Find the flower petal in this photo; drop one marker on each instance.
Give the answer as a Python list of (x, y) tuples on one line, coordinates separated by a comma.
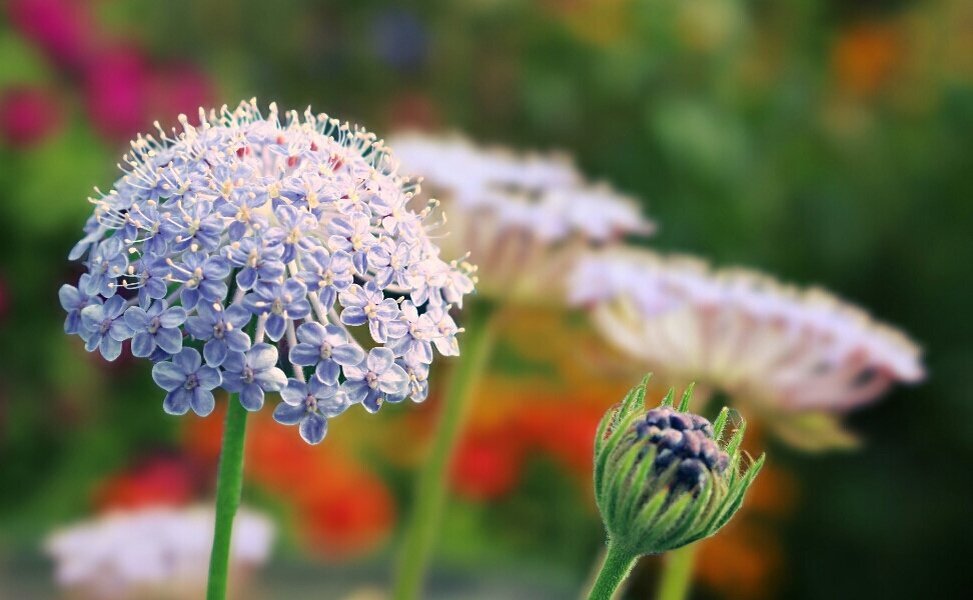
[(286, 414), (262, 356), (169, 340), (252, 397), (202, 402), (313, 428), (177, 402), (379, 359), (188, 360)]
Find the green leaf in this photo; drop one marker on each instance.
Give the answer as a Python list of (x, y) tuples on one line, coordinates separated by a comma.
[(667, 401), (687, 396), (621, 474), (737, 439), (630, 505), (720, 423)]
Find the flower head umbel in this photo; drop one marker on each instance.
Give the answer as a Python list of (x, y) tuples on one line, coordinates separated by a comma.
[(523, 219), (152, 552), (665, 477), (797, 357), (225, 238)]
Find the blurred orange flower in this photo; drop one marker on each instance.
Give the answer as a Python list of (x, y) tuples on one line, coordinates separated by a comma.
[(743, 561), (594, 21), (865, 57), (157, 481), (487, 464), (341, 508)]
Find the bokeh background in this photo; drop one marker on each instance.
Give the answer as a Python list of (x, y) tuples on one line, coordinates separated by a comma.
[(825, 141)]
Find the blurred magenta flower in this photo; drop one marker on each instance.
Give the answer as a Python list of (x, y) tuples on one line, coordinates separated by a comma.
[(179, 88), (28, 115), (125, 92), (63, 29), (117, 91)]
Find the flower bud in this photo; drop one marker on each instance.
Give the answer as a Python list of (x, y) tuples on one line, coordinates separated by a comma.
[(666, 477)]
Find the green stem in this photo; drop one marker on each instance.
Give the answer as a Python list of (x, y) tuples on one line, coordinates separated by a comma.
[(615, 568), (229, 484), (430, 492), (677, 573)]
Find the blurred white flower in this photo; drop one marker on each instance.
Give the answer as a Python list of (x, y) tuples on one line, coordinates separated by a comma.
[(781, 349), (156, 552), (524, 218)]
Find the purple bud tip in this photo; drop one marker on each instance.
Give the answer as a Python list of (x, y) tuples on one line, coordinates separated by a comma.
[(684, 439)]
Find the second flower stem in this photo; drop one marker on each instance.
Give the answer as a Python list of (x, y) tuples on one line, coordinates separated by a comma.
[(430, 492), (677, 573), (614, 569), (229, 485)]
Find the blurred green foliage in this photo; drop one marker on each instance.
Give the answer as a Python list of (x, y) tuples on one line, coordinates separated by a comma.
[(824, 141)]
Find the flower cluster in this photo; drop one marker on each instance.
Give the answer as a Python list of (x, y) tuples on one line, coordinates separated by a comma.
[(784, 348), (524, 219), (684, 440), (665, 477), (152, 552), (222, 241)]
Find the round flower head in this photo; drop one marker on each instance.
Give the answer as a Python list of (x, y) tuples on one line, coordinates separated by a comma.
[(152, 552), (524, 219), (665, 478), (223, 239), (785, 350)]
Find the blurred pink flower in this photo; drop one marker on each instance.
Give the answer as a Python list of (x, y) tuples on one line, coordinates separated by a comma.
[(178, 88), (116, 90), (125, 92), (63, 29), (796, 356), (27, 116)]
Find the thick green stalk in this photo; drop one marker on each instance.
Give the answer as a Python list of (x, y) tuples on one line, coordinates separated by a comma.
[(615, 568), (677, 573), (430, 492), (229, 484)]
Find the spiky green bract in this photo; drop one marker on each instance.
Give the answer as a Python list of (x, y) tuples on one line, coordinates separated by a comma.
[(645, 508)]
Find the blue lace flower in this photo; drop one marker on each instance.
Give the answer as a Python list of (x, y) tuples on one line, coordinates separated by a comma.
[(353, 234), (108, 263), (252, 373), (418, 374), (416, 344), (257, 259), (327, 274), (391, 263), (374, 378), (218, 241), (278, 303), (327, 349), (221, 329), (203, 277), (310, 405), (74, 300), (189, 383), (103, 327), (157, 326), (369, 305)]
